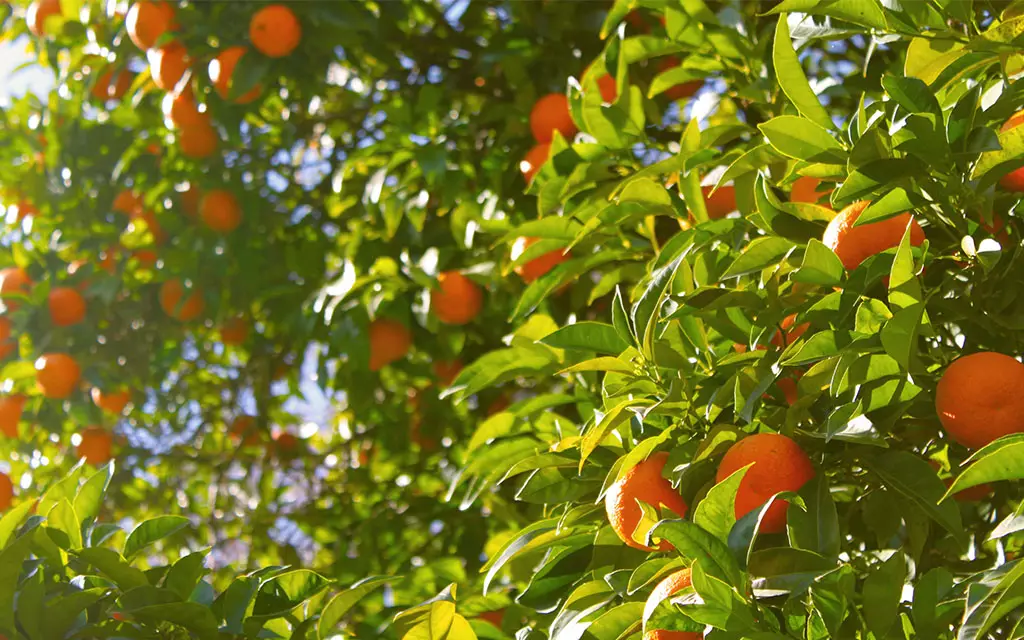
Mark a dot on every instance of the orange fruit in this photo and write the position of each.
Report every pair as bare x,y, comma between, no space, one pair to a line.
67,306
534,160
243,430
779,464
219,210
668,587
147,21
176,304
190,200
446,371
222,69
498,405
979,398
683,90
854,245
57,375
26,210
6,491
109,86
456,300
1013,181
389,341
792,334
14,280
808,189
145,257
235,331
494,617
606,84
95,446
275,31
789,389
128,202
11,408
996,228
198,141
168,64
537,267
720,203
549,114
286,445
972,494
181,111
113,402
107,260
7,346
37,14
646,483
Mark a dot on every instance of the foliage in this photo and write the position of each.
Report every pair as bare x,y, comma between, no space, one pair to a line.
384,152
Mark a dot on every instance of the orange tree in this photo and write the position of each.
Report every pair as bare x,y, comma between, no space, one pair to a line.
642,319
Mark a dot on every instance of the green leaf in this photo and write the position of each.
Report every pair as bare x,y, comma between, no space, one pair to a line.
285,591
191,615
882,591
716,512
904,289
802,139
587,336
113,566
341,603
13,519
90,496
618,414
1012,143
152,530
899,335
888,206
927,58
604,363
820,266
912,477
1002,459
184,575
816,528
791,78
911,94
692,543
62,516
760,253
11,559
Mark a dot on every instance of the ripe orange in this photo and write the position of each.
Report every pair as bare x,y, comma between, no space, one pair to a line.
26,210
494,617
145,257
668,587
551,113
456,300
128,202
235,331
808,189
222,70
720,203
95,446
181,110
792,334
537,267
107,260
7,346
243,431
219,209
14,280
286,445
996,228
779,464
147,21
979,398
37,14
109,86
57,375
683,90
113,402
609,91
275,31
534,160
389,341
973,494
646,483
168,64
177,305
197,142
446,371
190,200
11,408
854,245
498,405
67,306
1013,181
6,492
